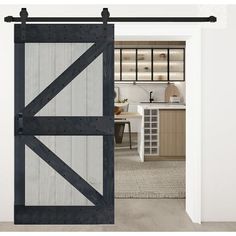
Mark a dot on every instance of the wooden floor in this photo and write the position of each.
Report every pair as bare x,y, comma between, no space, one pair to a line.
137,215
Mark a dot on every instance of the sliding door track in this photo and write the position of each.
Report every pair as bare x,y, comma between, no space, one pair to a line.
106,16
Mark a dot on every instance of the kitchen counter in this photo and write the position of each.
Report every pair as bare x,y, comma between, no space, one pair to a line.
162,105
149,136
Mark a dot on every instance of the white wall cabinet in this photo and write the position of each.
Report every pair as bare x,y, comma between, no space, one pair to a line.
149,64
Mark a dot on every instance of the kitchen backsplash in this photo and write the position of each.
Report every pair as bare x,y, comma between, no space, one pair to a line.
140,92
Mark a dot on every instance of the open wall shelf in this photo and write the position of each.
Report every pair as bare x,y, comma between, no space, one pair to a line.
149,64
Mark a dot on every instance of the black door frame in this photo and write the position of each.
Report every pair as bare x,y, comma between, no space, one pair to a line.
27,125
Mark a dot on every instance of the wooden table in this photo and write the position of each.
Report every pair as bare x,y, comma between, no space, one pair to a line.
127,115
119,127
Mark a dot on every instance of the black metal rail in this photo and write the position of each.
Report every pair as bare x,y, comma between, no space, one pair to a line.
113,19
107,17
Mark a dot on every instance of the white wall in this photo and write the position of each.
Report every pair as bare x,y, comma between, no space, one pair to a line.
219,121
218,102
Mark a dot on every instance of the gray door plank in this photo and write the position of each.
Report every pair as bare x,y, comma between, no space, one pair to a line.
31,91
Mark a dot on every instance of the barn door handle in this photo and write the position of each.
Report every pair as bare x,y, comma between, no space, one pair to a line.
20,123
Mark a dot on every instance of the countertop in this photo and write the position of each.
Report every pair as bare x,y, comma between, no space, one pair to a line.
162,106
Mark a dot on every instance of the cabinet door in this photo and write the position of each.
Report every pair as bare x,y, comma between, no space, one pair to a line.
128,64
172,133
160,64
176,64
144,65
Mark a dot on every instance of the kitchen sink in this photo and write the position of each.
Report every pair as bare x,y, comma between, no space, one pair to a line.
172,103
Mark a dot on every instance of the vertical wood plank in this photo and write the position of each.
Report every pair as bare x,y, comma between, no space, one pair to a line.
79,143
95,162
32,161
63,108
95,108
46,76
95,87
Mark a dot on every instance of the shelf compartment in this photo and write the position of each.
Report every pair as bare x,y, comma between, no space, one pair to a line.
154,137
154,119
147,150
147,131
154,143
160,55
154,150
147,144
153,131
177,67
160,76
176,54
176,76
154,125
154,112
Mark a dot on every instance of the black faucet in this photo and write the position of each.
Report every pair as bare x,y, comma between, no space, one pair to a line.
150,97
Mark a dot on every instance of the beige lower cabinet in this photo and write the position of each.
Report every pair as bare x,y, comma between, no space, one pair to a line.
172,134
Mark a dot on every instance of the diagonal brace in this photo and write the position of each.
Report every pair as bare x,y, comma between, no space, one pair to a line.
64,79
64,170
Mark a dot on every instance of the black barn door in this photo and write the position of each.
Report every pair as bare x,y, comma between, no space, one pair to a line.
64,161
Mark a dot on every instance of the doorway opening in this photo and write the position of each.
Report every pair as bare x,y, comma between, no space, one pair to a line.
150,119
192,38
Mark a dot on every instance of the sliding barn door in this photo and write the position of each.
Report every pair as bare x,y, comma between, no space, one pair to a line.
64,155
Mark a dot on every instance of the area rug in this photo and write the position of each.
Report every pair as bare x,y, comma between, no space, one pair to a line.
151,179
